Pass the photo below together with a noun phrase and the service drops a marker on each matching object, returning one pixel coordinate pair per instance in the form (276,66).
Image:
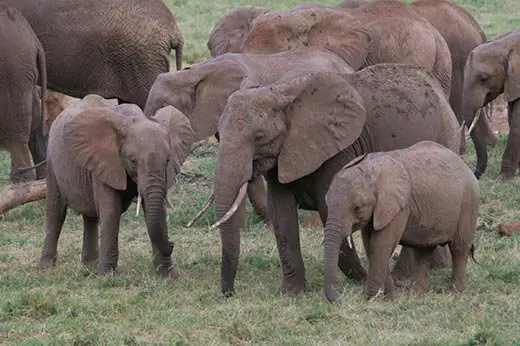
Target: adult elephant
(493,68)
(112,48)
(22,64)
(398,34)
(462,33)
(100,157)
(301,130)
(201,91)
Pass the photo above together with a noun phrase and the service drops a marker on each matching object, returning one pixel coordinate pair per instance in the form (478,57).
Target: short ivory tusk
(168,203)
(205,208)
(233,209)
(461,128)
(138,205)
(474,122)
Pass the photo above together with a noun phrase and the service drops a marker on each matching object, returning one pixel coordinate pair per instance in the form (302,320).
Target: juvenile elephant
(462,34)
(22,65)
(300,131)
(201,92)
(113,48)
(421,197)
(99,158)
(493,68)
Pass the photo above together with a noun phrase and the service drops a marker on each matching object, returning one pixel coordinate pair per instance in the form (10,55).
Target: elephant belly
(428,234)
(78,196)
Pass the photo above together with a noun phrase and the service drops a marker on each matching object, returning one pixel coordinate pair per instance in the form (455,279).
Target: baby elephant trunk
(156,225)
(332,245)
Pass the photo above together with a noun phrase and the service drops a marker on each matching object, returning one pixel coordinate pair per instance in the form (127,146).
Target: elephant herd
(357,111)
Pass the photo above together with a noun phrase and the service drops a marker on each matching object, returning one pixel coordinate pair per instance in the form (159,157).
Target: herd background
(68,305)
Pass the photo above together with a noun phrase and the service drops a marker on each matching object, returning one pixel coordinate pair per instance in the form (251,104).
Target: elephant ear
(512,82)
(227,35)
(218,80)
(94,135)
(324,115)
(181,137)
(393,191)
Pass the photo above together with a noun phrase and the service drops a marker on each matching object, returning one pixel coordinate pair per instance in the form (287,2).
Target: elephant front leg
(284,216)
(90,251)
(20,158)
(108,204)
(56,211)
(511,156)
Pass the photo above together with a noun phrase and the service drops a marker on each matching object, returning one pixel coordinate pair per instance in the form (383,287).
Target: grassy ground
(69,305)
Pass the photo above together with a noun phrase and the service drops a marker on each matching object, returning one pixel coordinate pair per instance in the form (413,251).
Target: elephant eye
(484,78)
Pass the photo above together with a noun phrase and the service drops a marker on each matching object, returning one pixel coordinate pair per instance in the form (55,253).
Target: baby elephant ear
(393,192)
(324,115)
(181,137)
(94,135)
(512,83)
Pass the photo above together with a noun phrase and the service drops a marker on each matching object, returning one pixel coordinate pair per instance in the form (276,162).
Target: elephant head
(378,188)
(199,92)
(120,146)
(295,124)
(491,69)
(227,35)
(336,31)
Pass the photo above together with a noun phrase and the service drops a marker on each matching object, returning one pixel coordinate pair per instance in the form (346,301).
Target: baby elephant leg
(420,279)
(389,289)
(461,247)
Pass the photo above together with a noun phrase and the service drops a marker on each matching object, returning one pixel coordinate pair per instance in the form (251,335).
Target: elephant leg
(389,283)
(511,156)
(20,158)
(420,279)
(257,194)
(460,247)
(56,211)
(403,267)
(109,206)
(284,216)
(381,246)
(441,257)
(90,251)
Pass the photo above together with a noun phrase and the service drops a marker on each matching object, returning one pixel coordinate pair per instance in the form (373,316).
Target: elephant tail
(177,44)
(472,252)
(42,71)
(22,170)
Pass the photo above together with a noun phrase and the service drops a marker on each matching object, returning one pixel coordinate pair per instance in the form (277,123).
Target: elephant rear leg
(460,248)
(56,211)
(20,158)
(90,251)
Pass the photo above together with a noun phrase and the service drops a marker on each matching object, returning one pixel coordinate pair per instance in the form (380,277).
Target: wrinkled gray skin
(462,33)
(301,130)
(201,92)
(383,31)
(493,68)
(22,65)
(99,158)
(113,48)
(421,197)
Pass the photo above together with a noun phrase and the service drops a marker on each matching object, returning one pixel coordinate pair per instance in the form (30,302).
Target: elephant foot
(291,288)
(89,259)
(170,271)
(107,270)
(507,176)
(46,262)
(419,288)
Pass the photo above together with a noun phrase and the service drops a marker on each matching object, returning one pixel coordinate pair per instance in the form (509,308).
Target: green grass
(196,18)
(70,305)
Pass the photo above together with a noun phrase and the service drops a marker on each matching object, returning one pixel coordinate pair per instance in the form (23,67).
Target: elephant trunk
(331,246)
(153,196)
(478,135)
(233,169)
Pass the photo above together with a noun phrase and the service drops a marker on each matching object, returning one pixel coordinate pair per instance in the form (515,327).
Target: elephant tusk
(240,196)
(461,128)
(138,205)
(349,241)
(168,203)
(205,208)
(474,122)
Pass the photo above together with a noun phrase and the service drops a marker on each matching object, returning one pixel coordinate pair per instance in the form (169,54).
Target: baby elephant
(421,197)
(99,158)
